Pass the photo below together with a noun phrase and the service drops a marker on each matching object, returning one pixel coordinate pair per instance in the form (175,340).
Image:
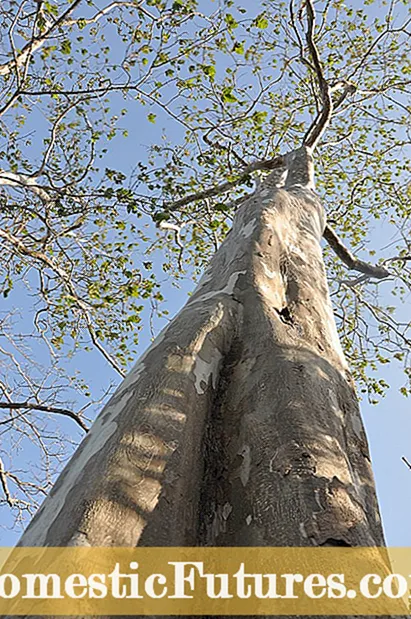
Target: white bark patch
(245,465)
(227,509)
(100,433)
(79,539)
(228,288)
(266,290)
(295,249)
(204,369)
(303,531)
(249,519)
(334,404)
(248,229)
(333,335)
(270,274)
(332,463)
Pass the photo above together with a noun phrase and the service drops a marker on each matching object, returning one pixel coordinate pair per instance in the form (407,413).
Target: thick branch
(266,164)
(12,179)
(320,124)
(349,259)
(45,409)
(331,237)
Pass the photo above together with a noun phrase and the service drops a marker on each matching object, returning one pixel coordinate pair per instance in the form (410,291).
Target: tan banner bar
(205,581)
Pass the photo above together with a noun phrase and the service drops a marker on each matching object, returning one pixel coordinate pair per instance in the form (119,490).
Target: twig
(165,225)
(70,288)
(3,482)
(37,41)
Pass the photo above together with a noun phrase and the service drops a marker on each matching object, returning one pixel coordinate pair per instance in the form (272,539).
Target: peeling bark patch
(270,274)
(96,440)
(331,462)
(338,514)
(227,509)
(204,369)
(228,288)
(248,229)
(245,466)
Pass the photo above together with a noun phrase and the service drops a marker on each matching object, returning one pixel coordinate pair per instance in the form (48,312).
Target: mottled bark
(240,425)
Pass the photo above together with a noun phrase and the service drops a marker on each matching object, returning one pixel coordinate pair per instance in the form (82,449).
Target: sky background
(388,424)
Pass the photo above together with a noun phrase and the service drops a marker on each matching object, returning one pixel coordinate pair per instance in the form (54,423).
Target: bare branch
(349,259)
(12,179)
(320,124)
(3,482)
(43,408)
(265,164)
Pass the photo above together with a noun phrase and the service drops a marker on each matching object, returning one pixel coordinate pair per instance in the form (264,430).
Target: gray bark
(240,425)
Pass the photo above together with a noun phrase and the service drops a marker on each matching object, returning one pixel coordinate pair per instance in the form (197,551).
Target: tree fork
(240,424)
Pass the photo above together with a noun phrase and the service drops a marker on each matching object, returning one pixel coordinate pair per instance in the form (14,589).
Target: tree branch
(323,118)
(266,164)
(320,124)
(13,179)
(52,264)
(46,409)
(3,482)
(349,259)
(329,234)
(37,41)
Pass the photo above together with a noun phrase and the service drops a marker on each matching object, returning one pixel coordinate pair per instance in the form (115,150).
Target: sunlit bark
(240,425)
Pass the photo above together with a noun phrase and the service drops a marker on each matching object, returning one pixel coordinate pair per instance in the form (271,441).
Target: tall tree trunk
(240,425)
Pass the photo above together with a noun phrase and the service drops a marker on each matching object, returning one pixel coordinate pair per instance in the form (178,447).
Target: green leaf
(65,47)
(151,118)
(238,48)
(227,95)
(260,21)
(230,21)
(209,70)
